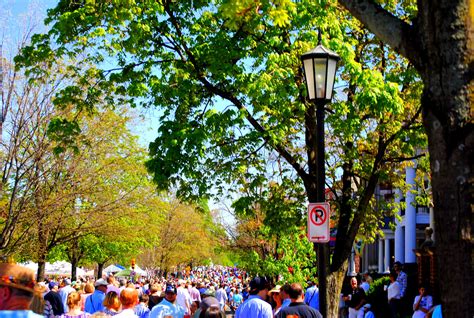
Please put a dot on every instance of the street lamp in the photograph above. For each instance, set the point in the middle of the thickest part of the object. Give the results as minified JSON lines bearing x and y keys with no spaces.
{"x":320,"y":71}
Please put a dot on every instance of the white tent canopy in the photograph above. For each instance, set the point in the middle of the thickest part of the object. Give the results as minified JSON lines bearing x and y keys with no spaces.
{"x":56,"y":268}
{"x":112,"y":269}
{"x":140,"y":271}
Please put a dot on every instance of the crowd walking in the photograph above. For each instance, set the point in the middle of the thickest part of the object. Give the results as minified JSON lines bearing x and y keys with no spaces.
{"x":200,"y":293}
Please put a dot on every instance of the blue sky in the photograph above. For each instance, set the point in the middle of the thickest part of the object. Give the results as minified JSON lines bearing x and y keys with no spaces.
{"x":19,"y":16}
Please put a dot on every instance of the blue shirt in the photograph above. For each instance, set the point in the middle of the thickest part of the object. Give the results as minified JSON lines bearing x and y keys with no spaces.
{"x":311,"y":297}
{"x":141,"y":310}
{"x":254,"y":307}
{"x":19,"y":314}
{"x":285,"y":303}
{"x":94,"y":302}
{"x":167,"y":308}
{"x":402,"y":280}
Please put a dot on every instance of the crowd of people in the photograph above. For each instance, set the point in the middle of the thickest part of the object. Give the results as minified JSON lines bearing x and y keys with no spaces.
{"x":200,"y":293}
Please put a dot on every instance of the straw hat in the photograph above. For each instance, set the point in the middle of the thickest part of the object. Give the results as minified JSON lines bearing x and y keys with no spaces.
{"x":16,"y":276}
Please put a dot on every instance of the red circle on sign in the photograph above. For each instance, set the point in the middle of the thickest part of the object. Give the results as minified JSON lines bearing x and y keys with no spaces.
{"x":318,"y":216}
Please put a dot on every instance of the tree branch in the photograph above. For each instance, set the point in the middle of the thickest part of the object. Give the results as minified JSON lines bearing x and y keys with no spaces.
{"x":234,"y":100}
{"x":387,"y":27}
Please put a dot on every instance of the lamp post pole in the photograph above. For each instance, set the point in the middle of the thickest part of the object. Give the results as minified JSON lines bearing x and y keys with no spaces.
{"x":323,"y":248}
{"x":320,"y":71}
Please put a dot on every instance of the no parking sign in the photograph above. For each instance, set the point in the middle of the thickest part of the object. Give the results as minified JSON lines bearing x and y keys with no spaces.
{"x":318,"y":222}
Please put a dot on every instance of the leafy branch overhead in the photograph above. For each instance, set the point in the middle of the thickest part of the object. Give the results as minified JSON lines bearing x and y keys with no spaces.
{"x":226,"y":77}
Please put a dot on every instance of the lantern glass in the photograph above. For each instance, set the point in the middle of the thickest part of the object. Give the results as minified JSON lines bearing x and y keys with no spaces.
{"x":331,"y":74}
{"x":320,"y":77}
{"x":309,"y":74}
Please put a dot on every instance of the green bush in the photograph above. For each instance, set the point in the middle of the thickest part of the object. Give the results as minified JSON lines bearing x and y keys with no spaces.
{"x":377,"y":297}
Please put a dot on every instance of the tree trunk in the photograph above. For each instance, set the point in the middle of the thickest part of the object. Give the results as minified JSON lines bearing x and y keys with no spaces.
{"x":334,"y":283}
{"x":41,"y":270}
{"x":451,"y":166}
{"x":440,"y":43}
{"x":448,"y":121}
{"x":73,"y":269}
{"x":100,"y":268}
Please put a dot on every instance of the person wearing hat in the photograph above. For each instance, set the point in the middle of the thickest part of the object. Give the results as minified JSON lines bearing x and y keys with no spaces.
{"x":94,"y":303}
{"x":168,"y":306}
{"x":367,"y":311}
{"x":16,"y":290}
{"x":208,"y":302}
{"x":256,"y":306}
{"x":54,"y":299}
{"x":275,"y":298}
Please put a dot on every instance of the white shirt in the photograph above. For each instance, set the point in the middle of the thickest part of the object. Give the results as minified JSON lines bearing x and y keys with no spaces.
{"x":221,"y":296}
{"x":183,"y":298}
{"x":126,"y":313}
{"x":393,"y":291}
{"x":426,"y":303}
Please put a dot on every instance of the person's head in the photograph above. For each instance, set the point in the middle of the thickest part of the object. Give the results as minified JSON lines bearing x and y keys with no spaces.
{"x":259,"y":286}
{"x":285,"y":291}
{"x":422,"y":290}
{"x":366,"y":307}
{"x":53,"y":286}
{"x":73,"y":300}
{"x":16,"y":287}
{"x":170,"y":293}
{"x":397,"y":266}
{"x":296,"y":292}
{"x":354,"y":282}
{"x":129,"y":297}
{"x":274,"y":294}
{"x":155,"y":288}
{"x":144,"y":298}
{"x":88,"y":288}
{"x":214,"y":312}
{"x":392,"y":276}
{"x":110,"y":279}
{"x":37,"y":303}
{"x":101,"y":284}
{"x":112,"y":301}
{"x":209,"y":301}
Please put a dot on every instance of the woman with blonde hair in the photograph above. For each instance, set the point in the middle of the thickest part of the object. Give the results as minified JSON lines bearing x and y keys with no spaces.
{"x":88,"y":290}
{"x":74,"y":305}
{"x":38,"y":303}
{"x":111,"y":303}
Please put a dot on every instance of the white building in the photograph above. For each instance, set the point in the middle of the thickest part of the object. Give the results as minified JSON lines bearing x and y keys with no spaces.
{"x":398,"y":244}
